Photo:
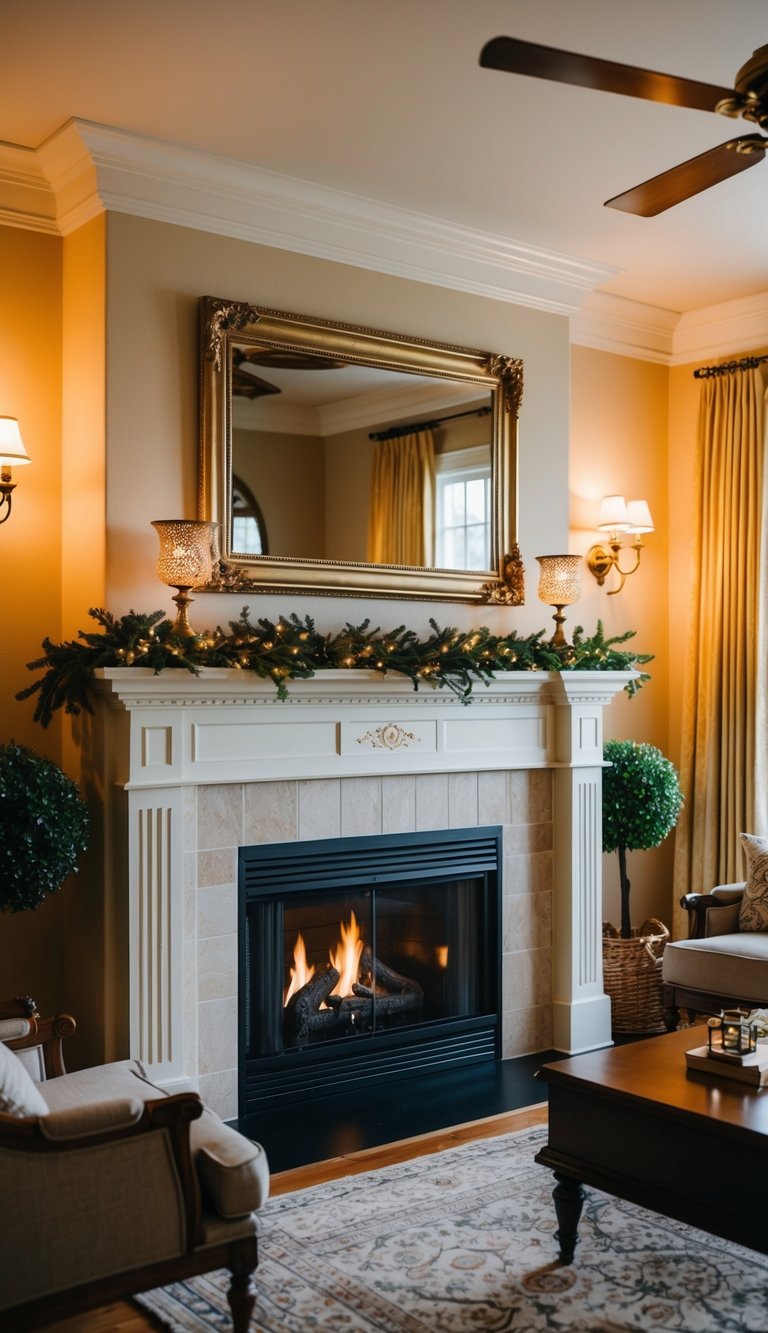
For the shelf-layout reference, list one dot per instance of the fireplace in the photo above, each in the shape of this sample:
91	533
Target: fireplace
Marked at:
363	959
193	768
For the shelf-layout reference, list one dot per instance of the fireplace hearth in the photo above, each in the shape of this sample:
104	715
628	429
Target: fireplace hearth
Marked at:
364	959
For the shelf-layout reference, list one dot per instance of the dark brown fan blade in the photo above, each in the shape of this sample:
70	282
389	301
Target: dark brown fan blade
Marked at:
546	62
691	177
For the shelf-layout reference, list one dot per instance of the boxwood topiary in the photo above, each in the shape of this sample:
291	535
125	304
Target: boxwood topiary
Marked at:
641	803
43	828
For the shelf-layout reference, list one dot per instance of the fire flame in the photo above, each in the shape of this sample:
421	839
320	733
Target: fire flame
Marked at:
345	958
300	972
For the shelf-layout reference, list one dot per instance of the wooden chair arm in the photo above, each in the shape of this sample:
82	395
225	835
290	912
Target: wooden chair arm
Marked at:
698	905
48	1034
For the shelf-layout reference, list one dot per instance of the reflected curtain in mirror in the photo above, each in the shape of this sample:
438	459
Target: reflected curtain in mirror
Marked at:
402	501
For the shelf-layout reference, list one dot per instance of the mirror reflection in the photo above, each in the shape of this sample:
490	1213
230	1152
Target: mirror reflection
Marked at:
353	463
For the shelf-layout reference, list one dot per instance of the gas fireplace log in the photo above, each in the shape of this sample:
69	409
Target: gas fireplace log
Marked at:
386	977
314	1009
387	1005
303	1013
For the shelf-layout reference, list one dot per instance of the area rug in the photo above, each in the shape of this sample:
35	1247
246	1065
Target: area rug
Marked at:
463	1241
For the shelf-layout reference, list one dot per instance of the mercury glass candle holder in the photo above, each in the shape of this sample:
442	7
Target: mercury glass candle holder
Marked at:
559	586
184	562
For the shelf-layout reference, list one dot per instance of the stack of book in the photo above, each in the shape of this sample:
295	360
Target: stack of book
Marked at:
751	1068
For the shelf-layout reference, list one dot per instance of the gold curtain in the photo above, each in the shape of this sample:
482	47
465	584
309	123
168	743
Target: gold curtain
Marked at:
402	501
720	711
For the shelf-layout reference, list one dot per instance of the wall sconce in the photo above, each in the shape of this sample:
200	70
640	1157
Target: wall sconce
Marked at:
12	454
618	517
559	586
184	562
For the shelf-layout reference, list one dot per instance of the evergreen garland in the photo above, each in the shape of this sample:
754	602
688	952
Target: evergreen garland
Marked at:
293	649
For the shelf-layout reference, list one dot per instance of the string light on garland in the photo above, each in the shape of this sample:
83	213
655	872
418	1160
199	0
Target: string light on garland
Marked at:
292	649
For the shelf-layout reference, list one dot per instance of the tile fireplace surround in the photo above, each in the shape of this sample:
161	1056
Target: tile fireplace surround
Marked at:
198	766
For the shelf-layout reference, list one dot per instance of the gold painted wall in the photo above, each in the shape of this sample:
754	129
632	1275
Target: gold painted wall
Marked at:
620	444
31	957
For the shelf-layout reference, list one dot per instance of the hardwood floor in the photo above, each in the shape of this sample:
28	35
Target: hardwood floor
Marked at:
124	1317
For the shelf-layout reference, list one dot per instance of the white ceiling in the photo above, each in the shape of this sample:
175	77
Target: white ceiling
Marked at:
385	99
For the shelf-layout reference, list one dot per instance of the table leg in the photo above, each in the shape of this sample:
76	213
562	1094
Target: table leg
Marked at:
569	1200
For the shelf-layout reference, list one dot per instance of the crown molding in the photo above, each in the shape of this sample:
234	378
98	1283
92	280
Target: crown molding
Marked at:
84	169
26	198
722	330
648	333
627	328
88	168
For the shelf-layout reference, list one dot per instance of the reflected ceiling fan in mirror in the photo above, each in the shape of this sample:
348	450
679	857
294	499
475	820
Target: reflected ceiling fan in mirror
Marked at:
246	381
748	99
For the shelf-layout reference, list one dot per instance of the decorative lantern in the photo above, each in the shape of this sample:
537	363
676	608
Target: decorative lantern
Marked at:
731	1034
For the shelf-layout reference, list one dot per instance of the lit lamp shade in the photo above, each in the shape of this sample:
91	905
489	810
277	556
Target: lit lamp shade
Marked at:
613	515
184	560
559	579
639	516
12	450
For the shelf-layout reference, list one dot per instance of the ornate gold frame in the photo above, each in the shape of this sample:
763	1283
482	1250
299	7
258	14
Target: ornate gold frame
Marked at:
223	323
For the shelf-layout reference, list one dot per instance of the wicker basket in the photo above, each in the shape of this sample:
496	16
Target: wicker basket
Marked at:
632	977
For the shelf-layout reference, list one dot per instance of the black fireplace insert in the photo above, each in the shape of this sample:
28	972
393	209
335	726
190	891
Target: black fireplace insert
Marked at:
366	959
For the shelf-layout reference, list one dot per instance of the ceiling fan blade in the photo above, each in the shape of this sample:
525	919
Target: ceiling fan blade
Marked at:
546	62
691	177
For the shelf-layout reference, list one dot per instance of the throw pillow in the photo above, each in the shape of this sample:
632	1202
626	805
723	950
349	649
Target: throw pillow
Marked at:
753	909
19	1095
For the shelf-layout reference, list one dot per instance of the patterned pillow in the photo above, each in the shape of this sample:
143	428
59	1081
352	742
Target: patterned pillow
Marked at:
753	909
18	1094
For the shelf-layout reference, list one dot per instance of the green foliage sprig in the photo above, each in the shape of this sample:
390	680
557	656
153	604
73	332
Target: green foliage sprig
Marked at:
43	828
291	648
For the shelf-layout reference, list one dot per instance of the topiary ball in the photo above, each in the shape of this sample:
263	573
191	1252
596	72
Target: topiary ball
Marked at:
43	828
641	796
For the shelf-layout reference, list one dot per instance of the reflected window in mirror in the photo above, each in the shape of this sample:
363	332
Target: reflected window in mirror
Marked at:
249	533
463	509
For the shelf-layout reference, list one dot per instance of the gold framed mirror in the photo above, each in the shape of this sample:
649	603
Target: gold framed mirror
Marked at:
377	464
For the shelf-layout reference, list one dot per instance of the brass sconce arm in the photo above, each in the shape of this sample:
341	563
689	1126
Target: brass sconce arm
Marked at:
602	559
12	454
6	486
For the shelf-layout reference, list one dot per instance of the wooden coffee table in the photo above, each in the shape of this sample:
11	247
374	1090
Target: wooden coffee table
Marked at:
632	1121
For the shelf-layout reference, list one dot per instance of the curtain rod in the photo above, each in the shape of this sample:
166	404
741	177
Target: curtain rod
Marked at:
397	431
728	367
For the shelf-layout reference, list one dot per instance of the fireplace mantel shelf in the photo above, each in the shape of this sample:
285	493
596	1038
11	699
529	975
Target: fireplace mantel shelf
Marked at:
225	725
140	687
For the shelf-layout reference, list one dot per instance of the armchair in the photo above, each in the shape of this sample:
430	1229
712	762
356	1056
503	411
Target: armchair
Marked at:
719	966
117	1186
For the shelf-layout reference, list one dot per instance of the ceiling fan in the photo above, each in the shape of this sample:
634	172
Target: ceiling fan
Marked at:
748	99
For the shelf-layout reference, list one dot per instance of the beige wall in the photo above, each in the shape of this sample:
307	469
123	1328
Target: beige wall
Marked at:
31	957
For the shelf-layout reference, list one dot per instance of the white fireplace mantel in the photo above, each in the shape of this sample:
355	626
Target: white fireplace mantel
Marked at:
188	731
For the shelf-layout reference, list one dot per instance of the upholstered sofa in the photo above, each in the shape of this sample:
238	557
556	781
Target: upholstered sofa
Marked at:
108	1186
719	966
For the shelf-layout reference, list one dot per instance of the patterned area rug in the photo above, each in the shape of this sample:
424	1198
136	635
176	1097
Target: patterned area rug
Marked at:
463	1240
